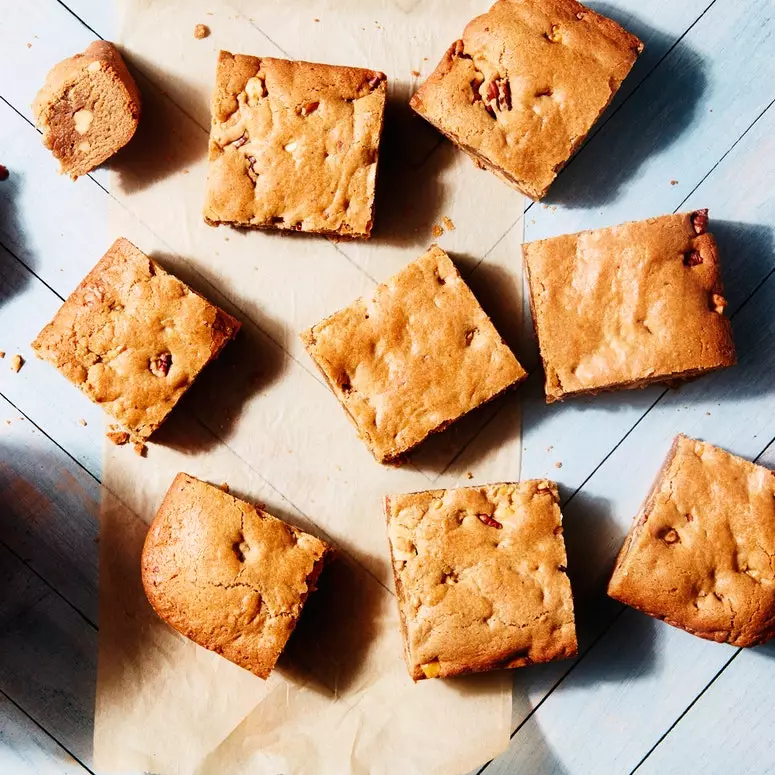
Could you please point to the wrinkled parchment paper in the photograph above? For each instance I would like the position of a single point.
(260, 418)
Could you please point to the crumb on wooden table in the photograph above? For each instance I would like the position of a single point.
(201, 31)
(4, 172)
(437, 231)
(17, 362)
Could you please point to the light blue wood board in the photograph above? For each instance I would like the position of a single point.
(579, 431)
(26, 749)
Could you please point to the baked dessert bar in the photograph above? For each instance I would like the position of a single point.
(699, 555)
(481, 578)
(134, 338)
(88, 108)
(294, 145)
(520, 91)
(413, 358)
(226, 574)
(630, 305)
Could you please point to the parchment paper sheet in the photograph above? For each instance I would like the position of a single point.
(261, 419)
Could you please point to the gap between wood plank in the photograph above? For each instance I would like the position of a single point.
(486, 424)
(647, 411)
(45, 731)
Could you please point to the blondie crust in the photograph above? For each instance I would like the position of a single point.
(226, 574)
(88, 108)
(630, 305)
(525, 84)
(134, 338)
(481, 578)
(413, 358)
(699, 555)
(294, 145)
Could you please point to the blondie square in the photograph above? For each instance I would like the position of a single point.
(134, 338)
(481, 578)
(226, 574)
(413, 358)
(699, 555)
(88, 108)
(630, 305)
(525, 84)
(294, 145)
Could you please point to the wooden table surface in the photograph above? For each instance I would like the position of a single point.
(693, 126)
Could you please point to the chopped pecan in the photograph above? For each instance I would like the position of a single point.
(670, 536)
(309, 107)
(486, 519)
(499, 94)
(692, 258)
(160, 365)
(241, 140)
(376, 80)
(700, 221)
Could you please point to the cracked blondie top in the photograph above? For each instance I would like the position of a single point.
(525, 84)
(630, 305)
(481, 578)
(134, 338)
(294, 145)
(226, 574)
(413, 358)
(701, 553)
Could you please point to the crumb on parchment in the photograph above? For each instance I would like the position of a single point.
(447, 222)
(17, 362)
(201, 31)
(140, 449)
(437, 231)
(82, 422)
(118, 437)
(558, 464)
(224, 486)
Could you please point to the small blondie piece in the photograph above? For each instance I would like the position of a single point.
(413, 358)
(699, 555)
(88, 108)
(226, 574)
(294, 145)
(525, 84)
(628, 306)
(481, 578)
(134, 338)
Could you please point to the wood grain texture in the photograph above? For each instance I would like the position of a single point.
(26, 749)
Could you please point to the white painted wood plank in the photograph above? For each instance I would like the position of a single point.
(25, 749)
(48, 656)
(26, 305)
(729, 730)
(50, 514)
(643, 672)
